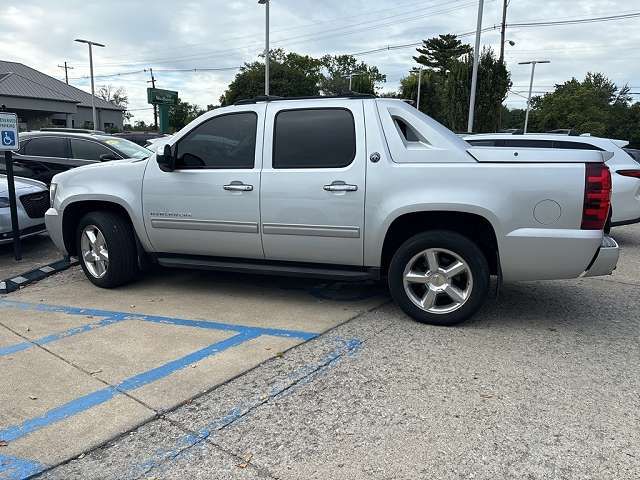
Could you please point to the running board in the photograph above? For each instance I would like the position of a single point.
(290, 270)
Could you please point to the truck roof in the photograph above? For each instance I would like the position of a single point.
(274, 98)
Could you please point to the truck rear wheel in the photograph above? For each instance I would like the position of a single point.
(439, 277)
(107, 249)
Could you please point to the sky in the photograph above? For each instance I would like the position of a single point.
(224, 34)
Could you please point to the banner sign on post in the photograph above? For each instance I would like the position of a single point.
(9, 131)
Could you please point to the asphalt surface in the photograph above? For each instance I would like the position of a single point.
(37, 251)
(544, 383)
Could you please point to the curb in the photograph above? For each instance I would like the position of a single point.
(14, 283)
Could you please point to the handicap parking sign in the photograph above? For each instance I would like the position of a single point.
(8, 138)
(9, 131)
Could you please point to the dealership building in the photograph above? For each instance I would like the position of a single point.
(43, 101)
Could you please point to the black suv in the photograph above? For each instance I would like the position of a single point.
(45, 153)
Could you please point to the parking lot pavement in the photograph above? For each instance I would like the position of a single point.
(543, 383)
(37, 251)
(83, 365)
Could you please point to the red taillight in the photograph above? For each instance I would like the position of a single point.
(597, 196)
(629, 173)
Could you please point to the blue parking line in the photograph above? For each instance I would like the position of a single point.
(90, 400)
(14, 468)
(158, 319)
(19, 347)
(298, 378)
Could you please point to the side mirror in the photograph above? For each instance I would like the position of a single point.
(166, 160)
(107, 156)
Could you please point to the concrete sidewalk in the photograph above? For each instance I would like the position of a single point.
(83, 365)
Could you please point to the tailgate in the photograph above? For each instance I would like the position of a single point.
(537, 155)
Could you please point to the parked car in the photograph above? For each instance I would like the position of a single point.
(43, 154)
(625, 170)
(141, 138)
(351, 187)
(154, 143)
(32, 202)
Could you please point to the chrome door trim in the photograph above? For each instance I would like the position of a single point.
(204, 225)
(311, 230)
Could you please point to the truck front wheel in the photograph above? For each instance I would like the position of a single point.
(107, 249)
(439, 277)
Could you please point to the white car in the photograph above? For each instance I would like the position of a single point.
(32, 201)
(625, 168)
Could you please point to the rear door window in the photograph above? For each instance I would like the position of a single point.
(47, 147)
(314, 138)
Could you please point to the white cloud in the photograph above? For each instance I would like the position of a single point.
(198, 34)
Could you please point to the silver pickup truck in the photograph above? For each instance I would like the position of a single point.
(350, 187)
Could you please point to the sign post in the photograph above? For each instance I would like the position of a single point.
(9, 142)
(163, 99)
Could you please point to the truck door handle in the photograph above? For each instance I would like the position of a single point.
(340, 186)
(237, 186)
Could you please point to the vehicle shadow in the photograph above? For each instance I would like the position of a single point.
(587, 306)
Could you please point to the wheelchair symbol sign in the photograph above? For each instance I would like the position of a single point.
(8, 138)
(8, 131)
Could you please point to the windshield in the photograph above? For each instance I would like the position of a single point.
(127, 147)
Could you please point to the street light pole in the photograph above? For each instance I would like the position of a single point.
(474, 76)
(266, 48)
(419, 72)
(93, 92)
(533, 70)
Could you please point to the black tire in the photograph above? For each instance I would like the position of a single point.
(121, 245)
(455, 243)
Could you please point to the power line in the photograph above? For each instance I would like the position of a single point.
(575, 21)
(403, 17)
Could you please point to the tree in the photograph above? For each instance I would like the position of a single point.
(595, 105)
(290, 75)
(335, 80)
(440, 53)
(445, 92)
(117, 96)
(431, 88)
(183, 113)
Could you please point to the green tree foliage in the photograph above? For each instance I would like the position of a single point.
(337, 68)
(445, 91)
(290, 75)
(440, 53)
(595, 105)
(183, 113)
(294, 75)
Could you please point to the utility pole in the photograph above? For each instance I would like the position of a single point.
(155, 107)
(474, 76)
(93, 92)
(266, 47)
(503, 29)
(533, 70)
(66, 74)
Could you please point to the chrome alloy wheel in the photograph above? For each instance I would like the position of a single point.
(438, 281)
(94, 251)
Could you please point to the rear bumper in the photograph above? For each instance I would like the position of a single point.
(605, 261)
